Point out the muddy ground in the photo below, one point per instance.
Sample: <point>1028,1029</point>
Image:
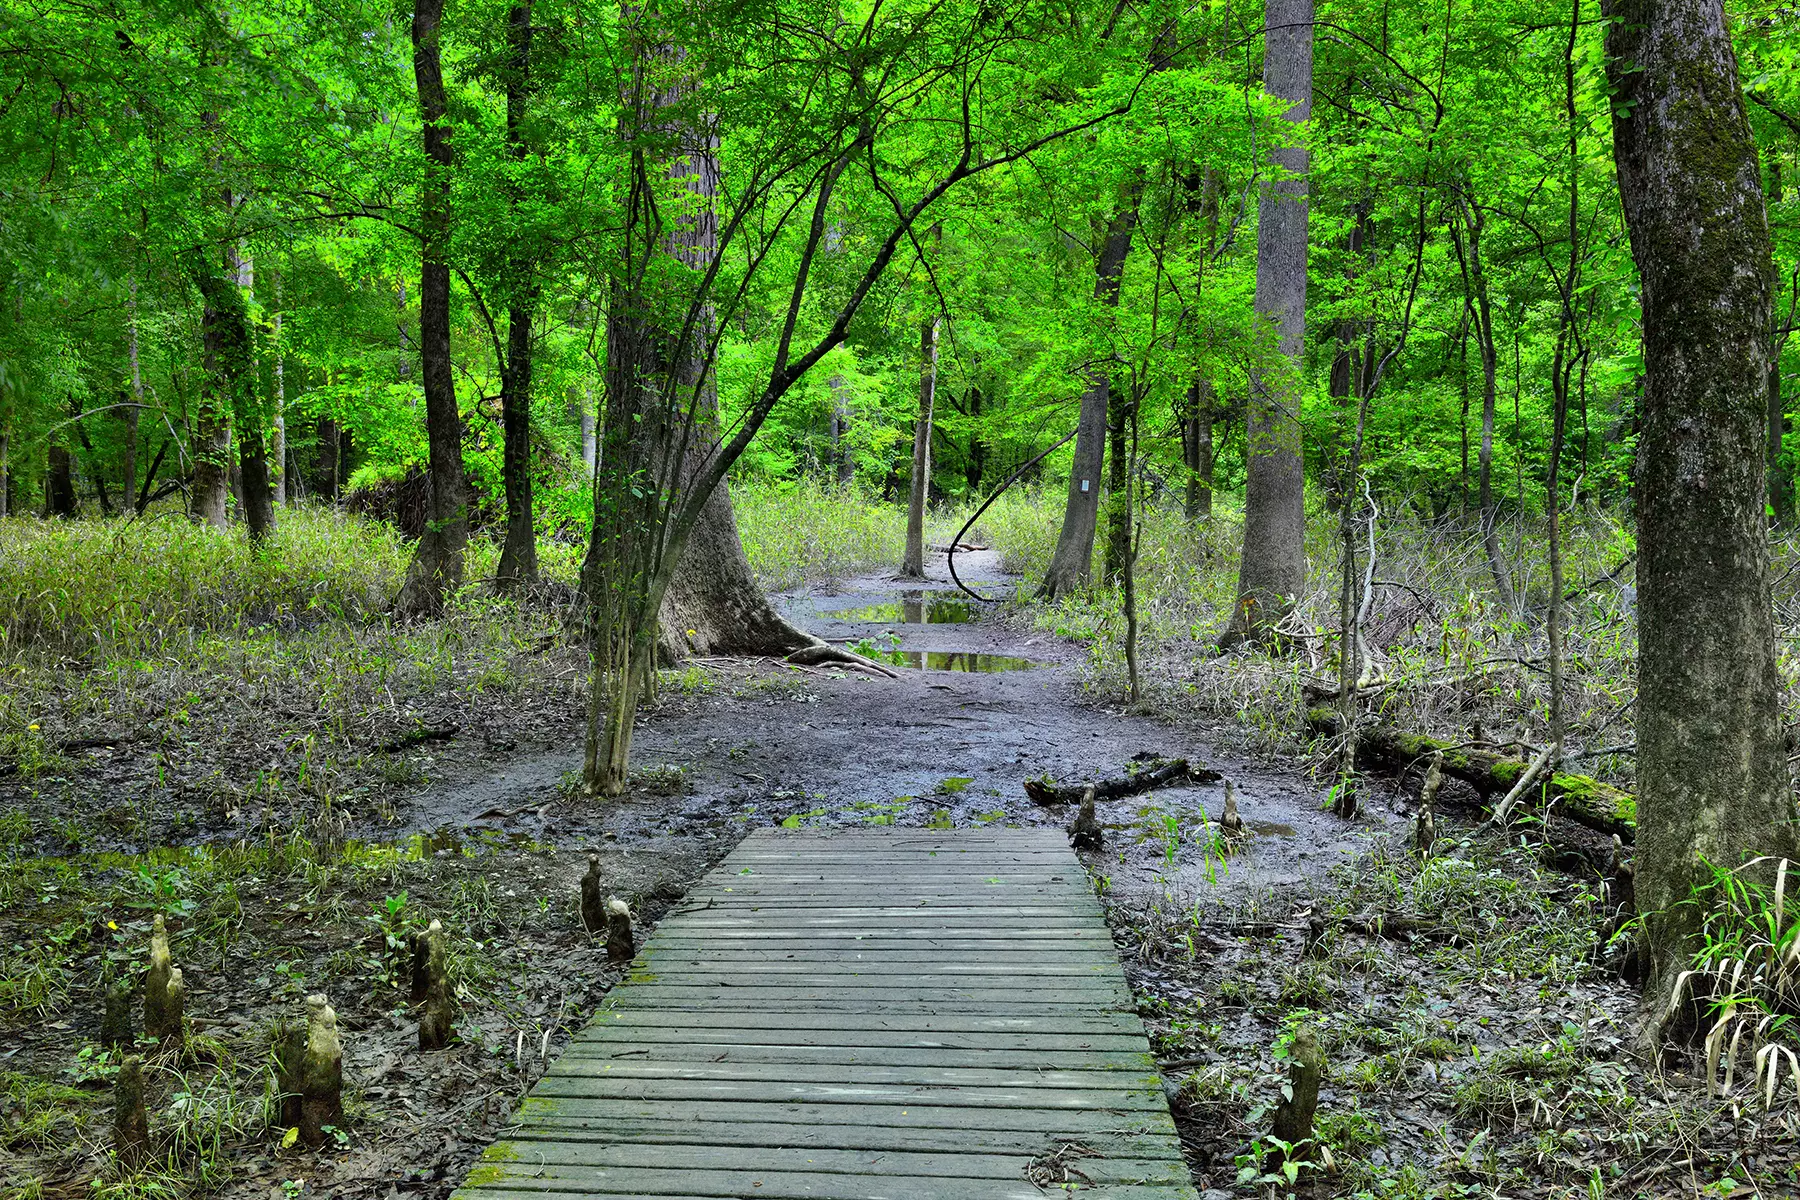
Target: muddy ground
<point>1480,1057</point>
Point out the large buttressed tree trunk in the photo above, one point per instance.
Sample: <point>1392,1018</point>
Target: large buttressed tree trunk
<point>1713,781</point>
<point>518,554</point>
<point>1273,569</point>
<point>1074,557</point>
<point>437,564</point>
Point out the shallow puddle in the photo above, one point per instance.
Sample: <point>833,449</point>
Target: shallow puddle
<point>914,608</point>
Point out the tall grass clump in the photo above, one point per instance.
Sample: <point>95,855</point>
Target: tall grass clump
<point>1022,526</point>
<point>803,533</point>
<point>121,586</point>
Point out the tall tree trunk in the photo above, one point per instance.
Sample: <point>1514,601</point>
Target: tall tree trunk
<point>1781,479</point>
<point>913,566</point>
<point>1474,222</point>
<point>1197,448</point>
<point>1713,781</point>
<point>211,440</point>
<point>437,565</point>
<point>1273,569</point>
<point>129,470</point>
<point>843,458</point>
<point>59,483</point>
<point>1118,492</point>
<point>278,448</point>
<point>1074,557</point>
<point>246,411</point>
<point>518,554</point>
<point>325,476</point>
<point>976,469</point>
<point>5,474</point>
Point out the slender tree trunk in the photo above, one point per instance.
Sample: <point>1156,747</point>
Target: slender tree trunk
<point>1074,557</point>
<point>518,554</point>
<point>976,469</point>
<point>437,564</point>
<point>278,448</point>
<point>325,478</point>
<point>137,398</point>
<point>913,566</point>
<point>1197,448</point>
<point>1273,569</point>
<point>5,474</point>
<point>1118,491</point>
<point>59,484</point>
<point>211,440</point>
<point>843,457</point>
<point>1474,222</point>
<point>247,414</point>
<point>1781,479</point>
<point>1713,781</point>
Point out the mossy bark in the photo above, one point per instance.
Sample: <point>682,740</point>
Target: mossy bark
<point>1713,781</point>
<point>1581,798</point>
<point>131,1118</point>
<point>321,1073</point>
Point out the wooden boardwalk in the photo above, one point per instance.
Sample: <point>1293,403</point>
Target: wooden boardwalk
<point>860,1015</point>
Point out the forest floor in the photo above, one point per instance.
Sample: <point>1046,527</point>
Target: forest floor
<point>1480,1055</point>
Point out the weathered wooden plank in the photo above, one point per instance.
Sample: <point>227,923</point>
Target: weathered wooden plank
<point>544,1176</point>
<point>791,1022</point>
<point>1145,1143</point>
<point>861,1074</point>
<point>1053,1058</point>
<point>610,1087</point>
<point>853,1015</point>
<point>1047,1121</point>
<point>849,976</point>
<point>596,1160</point>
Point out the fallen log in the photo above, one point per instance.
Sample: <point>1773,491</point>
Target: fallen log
<point>1158,773</point>
<point>1580,798</point>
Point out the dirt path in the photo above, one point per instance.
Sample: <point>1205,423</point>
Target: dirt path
<point>951,740</point>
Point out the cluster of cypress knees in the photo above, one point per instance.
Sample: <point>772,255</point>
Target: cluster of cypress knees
<point>309,1057</point>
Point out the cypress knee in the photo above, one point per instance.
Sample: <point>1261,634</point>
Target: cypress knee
<point>1425,824</point>
<point>131,1121</point>
<point>174,1033</point>
<point>593,902</point>
<point>289,1043</point>
<point>321,1072</point>
<point>619,945</point>
<point>1300,1100</point>
<point>420,946</point>
<point>156,981</point>
<point>1086,834</point>
<point>436,1022</point>
<point>115,1022</point>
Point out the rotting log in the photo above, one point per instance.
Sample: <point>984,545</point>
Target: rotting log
<point>1158,773</point>
<point>1580,798</point>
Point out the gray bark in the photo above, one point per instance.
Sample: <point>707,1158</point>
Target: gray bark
<point>1713,781</point>
<point>913,566</point>
<point>1273,569</point>
<point>131,414</point>
<point>1073,562</point>
<point>437,565</point>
